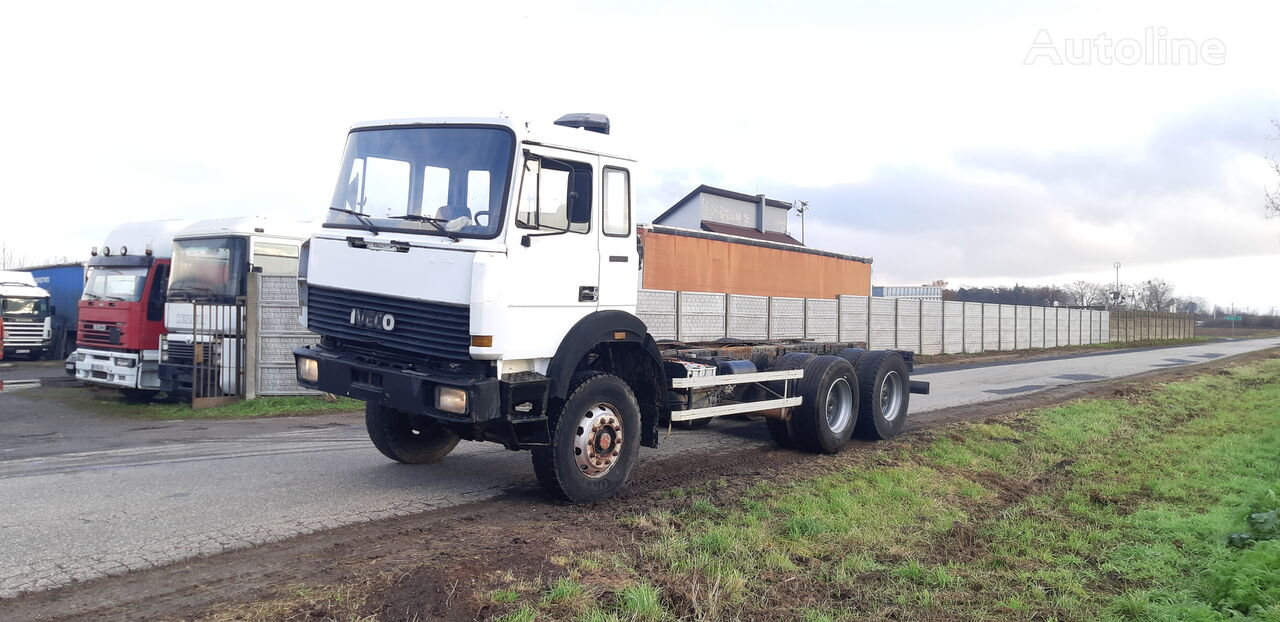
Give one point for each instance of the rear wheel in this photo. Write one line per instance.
(825, 420)
(411, 440)
(782, 430)
(595, 438)
(882, 376)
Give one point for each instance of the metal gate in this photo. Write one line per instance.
(218, 357)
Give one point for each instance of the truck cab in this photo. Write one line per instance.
(121, 314)
(201, 354)
(27, 315)
(477, 279)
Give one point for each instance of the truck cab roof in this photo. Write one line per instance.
(532, 133)
(20, 284)
(248, 226)
(138, 236)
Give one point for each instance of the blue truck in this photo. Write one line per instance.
(65, 284)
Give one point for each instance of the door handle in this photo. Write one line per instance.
(588, 293)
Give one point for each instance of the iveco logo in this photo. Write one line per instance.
(373, 319)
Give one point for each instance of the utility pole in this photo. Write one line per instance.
(801, 208)
(1116, 296)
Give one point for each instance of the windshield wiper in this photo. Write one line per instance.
(434, 222)
(363, 218)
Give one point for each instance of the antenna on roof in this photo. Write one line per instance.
(801, 207)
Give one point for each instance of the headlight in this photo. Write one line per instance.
(125, 362)
(308, 370)
(79, 356)
(451, 400)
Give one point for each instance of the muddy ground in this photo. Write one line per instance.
(438, 560)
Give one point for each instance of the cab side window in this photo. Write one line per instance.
(155, 296)
(617, 202)
(555, 195)
(276, 258)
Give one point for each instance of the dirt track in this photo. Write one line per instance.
(440, 554)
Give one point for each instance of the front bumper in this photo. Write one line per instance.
(409, 391)
(99, 367)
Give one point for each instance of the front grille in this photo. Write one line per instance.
(23, 333)
(423, 328)
(101, 333)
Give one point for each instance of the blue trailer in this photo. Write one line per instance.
(65, 284)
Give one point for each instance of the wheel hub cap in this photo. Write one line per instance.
(597, 441)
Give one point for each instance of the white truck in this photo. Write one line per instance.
(202, 354)
(478, 278)
(27, 317)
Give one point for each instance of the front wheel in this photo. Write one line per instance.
(595, 438)
(415, 440)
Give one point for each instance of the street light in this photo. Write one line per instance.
(1116, 296)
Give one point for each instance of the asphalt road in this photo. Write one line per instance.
(84, 496)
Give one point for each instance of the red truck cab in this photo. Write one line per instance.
(122, 309)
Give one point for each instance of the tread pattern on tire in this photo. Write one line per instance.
(811, 414)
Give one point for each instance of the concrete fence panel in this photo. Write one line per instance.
(884, 332)
(853, 318)
(786, 318)
(821, 319)
(1064, 326)
(274, 332)
(931, 323)
(1008, 320)
(748, 317)
(973, 335)
(1036, 327)
(1022, 327)
(908, 324)
(953, 322)
(701, 316)
(990, 326)
(657, 309)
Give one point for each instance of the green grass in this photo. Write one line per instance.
(1114, 509)
(109, 402)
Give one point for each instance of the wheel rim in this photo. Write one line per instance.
(891, 396)
(597, 441)
(839, 405)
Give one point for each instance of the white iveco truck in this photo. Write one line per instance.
(477, 279)
(25, 311)
(202, 356)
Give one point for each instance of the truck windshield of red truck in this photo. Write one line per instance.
(208, 270)
(117, 284)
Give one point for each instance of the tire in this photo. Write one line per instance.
(852, 355)
(138, 396)
(404, 439)
(825, 420)
(584, 462)
(782, 430)
(885, 393)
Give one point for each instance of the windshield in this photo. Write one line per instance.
(24, 307)
(118, 284)
(208, 269)
(438, 180)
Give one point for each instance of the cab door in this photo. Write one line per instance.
(619, 261)
(553, 256)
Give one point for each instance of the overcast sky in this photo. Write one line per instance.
(942, 139)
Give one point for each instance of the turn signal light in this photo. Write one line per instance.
(482, 341)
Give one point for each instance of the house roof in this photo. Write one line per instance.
(749, 232)
(720, 192)
(724, 237)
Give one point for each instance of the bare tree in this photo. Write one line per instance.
(1155, 295)
(1085, 294)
